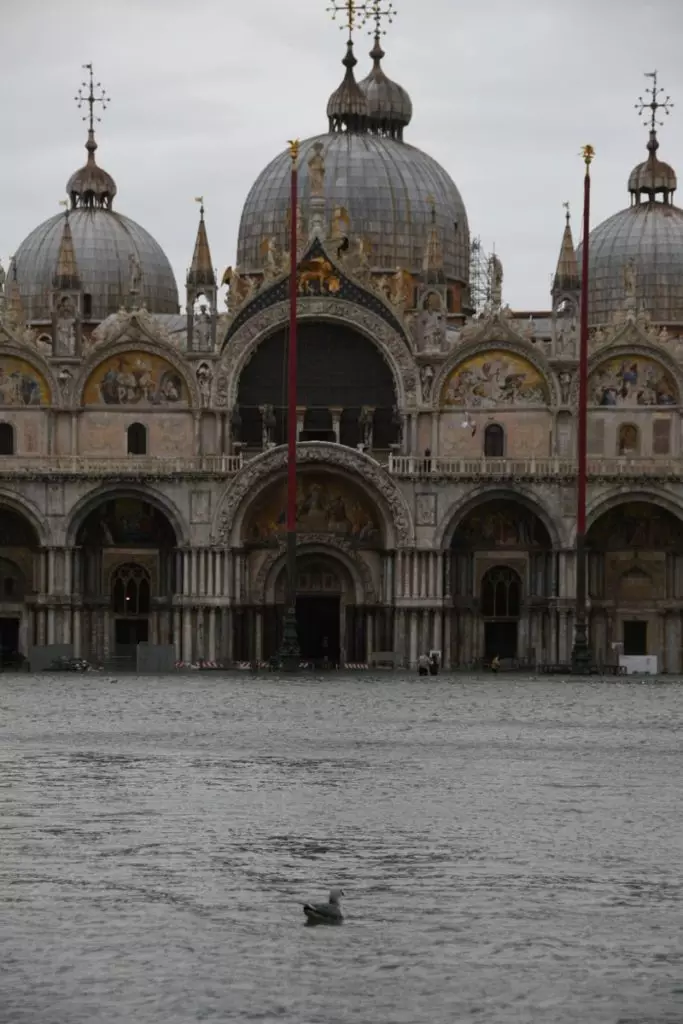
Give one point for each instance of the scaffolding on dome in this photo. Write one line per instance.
(480, 276)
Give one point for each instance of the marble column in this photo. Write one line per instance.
(336, 412)
(177, 637)
(187, 635)
(212, 634)
(186, 573)
(258, 631)
(447, 639)
(412, 619)
(193, 571)
(369, 637)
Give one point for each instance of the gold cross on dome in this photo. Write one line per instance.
(90, 97)
(376, 13)
(652, 103)
(355, 13)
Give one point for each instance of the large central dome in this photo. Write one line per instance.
(390, 190)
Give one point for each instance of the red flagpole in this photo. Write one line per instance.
(289, 655)
(581, 657)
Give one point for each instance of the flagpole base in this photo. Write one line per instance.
(289, 654)
(582, 659)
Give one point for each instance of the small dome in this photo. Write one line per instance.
(646, 238)
(91, 187)
(652, 177)
(103, 244)
(650, 237)
(390, 108)
(347, 108)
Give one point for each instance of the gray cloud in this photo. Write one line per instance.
(205, 95)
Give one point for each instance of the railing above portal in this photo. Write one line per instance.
(126, 467)
(550, 468)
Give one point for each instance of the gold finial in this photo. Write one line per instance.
(90, 98)
(376, 12)
(200, 200)
(588, 153)
(294, 149)
(567, 212)
(355, 13)
(64, 203)
(653, 103)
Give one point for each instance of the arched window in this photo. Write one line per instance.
(137, 439)
(501, 594)
(6, 439)
(494, 441)
(131, 590)
(628, 439)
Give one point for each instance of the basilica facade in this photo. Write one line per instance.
(142, 449)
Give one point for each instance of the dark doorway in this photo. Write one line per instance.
(500, 639)
(6, 439)
(128, 633)
(9, 640)
(494, 441)
(635, 637)
(318, 627)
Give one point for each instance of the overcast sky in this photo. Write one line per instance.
(204, 94)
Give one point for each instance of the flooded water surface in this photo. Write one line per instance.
(510, 850)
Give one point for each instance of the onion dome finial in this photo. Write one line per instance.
(91, 187)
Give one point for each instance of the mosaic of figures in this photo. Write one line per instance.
(495, 378)
(632, 381)
(126, 522)
(637, 524)
(325, 504)
(135, 378)
(21, 384)
(501, 524)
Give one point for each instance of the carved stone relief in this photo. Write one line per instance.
(425, 509)
(346, 459)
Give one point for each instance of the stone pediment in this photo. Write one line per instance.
(494, 327)
(321, 275)
(636, 329)
(137, 325)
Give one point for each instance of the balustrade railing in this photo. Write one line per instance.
(546, 468)
(143, 465)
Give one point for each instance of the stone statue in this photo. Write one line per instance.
(630, 278)
(268, 425)
(401, 288)
(365, 424)
(66, 331)
(64, 379)
(202, 328)
(341, 222)
(204, 378)
(316, 171)
(239, 288)
(496, 272)
(433, 332)
(565, 379)
(426, 380)
(271, 258)
(3, 278)
(222, 390)
(135, 274)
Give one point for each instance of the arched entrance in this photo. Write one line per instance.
(635, 583)
(19, 548)
(340, 536)
(502, 578)
(501, 608)
(345, 390)
(325, 595)
(127, 576)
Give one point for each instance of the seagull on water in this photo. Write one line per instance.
(325, 913)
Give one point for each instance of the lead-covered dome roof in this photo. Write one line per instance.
(646, 238)
(388, 188)
(106, 245)
(103, 243)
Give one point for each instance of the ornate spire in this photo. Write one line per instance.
(652, 177)
(390, 108)
(567, 273)
(201, 273)
(432, 261)
(347, 108)
(66, 277)
(91, 187)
